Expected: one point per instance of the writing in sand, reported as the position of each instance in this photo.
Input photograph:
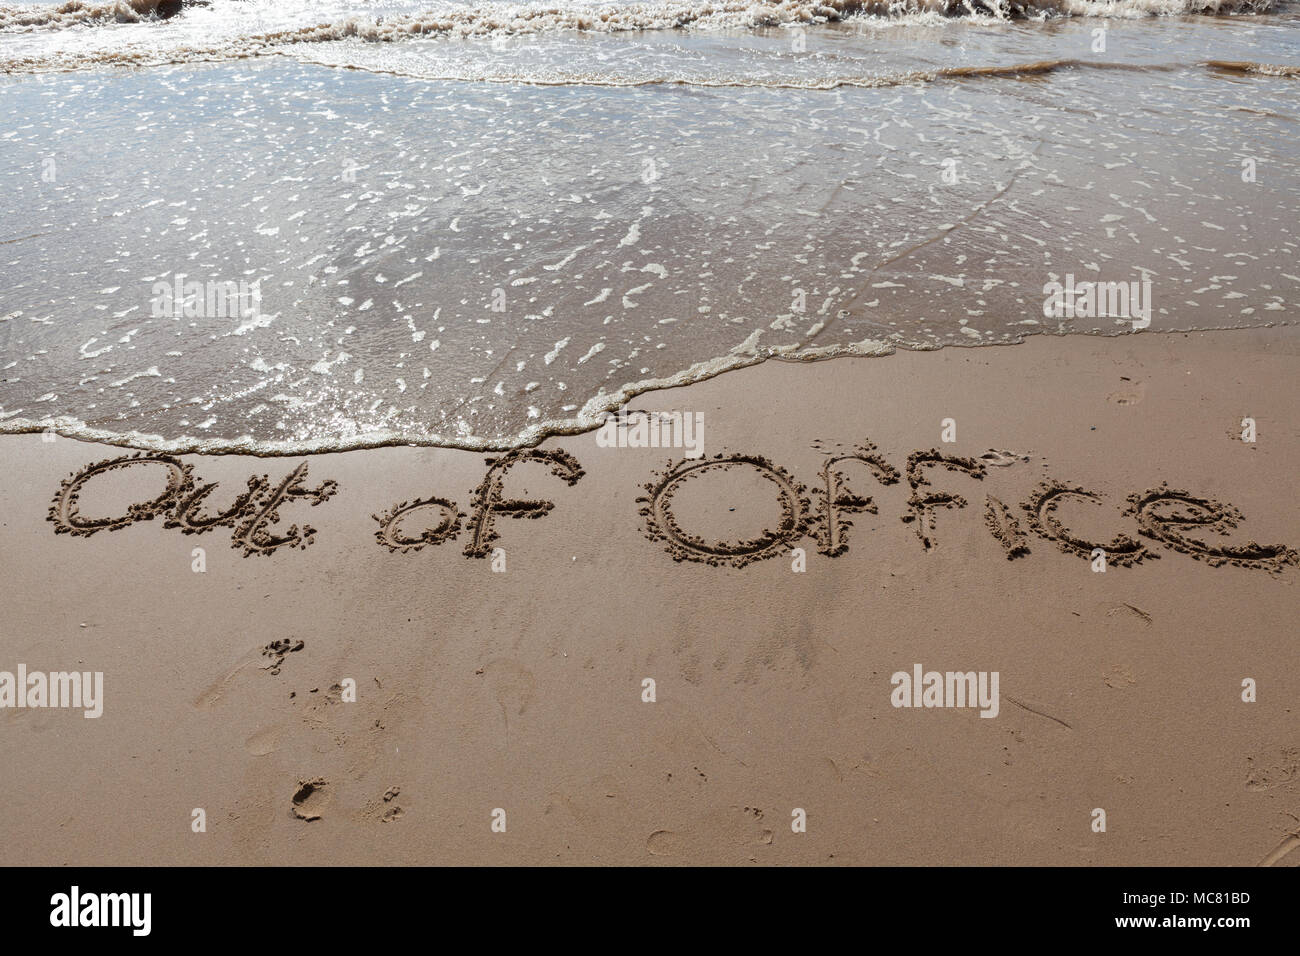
(1163, 516)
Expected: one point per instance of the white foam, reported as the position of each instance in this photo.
(250, 28)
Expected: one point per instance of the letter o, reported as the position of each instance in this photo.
(389, 533)
(662, 524)
(67, 518)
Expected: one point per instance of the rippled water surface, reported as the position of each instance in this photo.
(292, 226)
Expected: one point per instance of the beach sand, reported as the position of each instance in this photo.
(521, 690)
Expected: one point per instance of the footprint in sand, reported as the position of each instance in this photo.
(664, 843)
(736, 827)
(1275, 768)
(392, 812)
(263, 742)
(1131, 394)
(217, 689)
(512, 685)
(309, 800)
(1284, 849)
(1131, 611)
(1119, 677)
(1001, 458)
(274, 653)
(385, 810)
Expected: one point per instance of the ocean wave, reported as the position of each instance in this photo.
(591, 415)
(77, 13)
(1246, 66)
(253, 28)
(517, 18)
(553, 76)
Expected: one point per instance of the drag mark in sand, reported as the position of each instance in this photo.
(1040, 713)
(1283, 849)
(1133, 609)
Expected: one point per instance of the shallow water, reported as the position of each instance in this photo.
(480, 240)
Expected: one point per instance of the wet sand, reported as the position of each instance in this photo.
(522, 689)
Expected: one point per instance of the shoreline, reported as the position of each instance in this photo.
(594, 412)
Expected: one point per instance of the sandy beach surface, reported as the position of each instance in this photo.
(341, 702)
